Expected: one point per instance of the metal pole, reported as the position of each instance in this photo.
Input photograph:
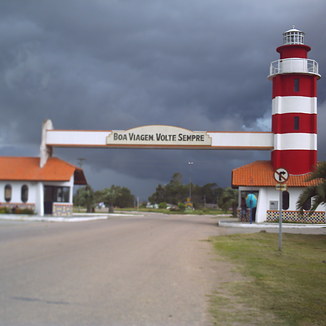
(280, 223)
(190, 190)
(190, 164)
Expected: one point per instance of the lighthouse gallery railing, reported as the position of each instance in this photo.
(293, 65)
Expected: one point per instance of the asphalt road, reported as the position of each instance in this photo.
(145, 270)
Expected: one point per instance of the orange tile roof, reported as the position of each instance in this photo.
(261, 173)
(28, 169)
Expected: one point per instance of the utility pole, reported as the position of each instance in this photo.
(190, 163)
(81, 162)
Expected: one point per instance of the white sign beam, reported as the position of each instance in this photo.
(157, 136)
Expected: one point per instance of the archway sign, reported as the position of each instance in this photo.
(151, 136)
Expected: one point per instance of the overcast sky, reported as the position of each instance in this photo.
(119, 64)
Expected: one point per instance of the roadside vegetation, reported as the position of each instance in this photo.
(182, 196)
(174, 197)
(278, 288)
(16, 210)
(203, 211)
(114, 196)
(317, 193)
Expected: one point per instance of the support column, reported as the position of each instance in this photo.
(45, 151)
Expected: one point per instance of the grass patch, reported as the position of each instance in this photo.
(289, 285)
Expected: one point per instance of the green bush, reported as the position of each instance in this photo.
(17, 210)
(182, 206)
(162, 205)
(143, 205)
(25, 211)
(4, 210)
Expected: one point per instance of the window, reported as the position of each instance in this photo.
(296, 123)
(285, 200)
(63, 194)
(296, 85)
(24, 193)
(8, 193)
(56, 194)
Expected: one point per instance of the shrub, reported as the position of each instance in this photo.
(24, 211)
(16, 210)
(162, 205)
(182, 206)
(4, 210)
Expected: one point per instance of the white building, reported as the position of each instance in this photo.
(43, 190)
(258, 178)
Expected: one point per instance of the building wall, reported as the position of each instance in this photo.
(62, 208)
(268, 206)
(16, 200)
(317, 217)
(261, 203)
(39, 206)
(36, 196)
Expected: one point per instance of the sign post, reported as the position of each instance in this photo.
(280, 175)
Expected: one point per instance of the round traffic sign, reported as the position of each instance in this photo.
(281, 175)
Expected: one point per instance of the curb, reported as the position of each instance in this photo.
(74, 218)
(270, 225)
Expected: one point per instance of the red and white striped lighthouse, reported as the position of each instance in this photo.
(294, 105)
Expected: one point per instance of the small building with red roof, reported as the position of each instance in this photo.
(24, 184)
(257, 178)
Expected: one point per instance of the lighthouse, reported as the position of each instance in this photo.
(294, 106)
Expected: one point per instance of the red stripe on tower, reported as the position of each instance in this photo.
(294, 116)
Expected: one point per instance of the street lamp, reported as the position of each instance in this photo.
(190, 163)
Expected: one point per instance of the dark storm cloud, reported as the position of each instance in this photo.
(109, 64)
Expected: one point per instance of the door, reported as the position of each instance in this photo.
(48, 199)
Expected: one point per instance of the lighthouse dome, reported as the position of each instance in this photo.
(293, 36)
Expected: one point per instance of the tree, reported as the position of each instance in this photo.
(117, 196)
(85, 197)
(125, 198)
(158, 196)
(228, 199)
(175, 192)
(209, 193)
(172, 193)
(315, 193)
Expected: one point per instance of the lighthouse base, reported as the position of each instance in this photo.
(295, 161)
